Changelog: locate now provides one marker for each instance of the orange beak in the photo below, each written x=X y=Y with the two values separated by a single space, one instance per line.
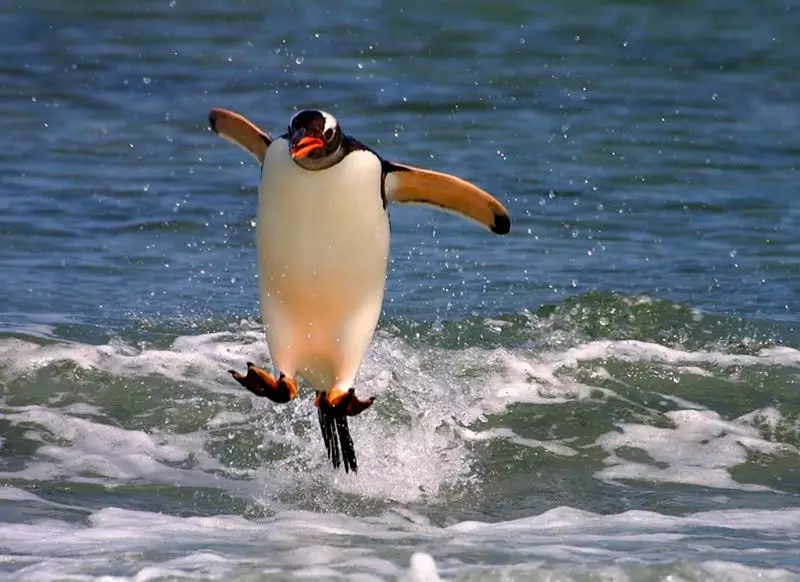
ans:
x=305 y=146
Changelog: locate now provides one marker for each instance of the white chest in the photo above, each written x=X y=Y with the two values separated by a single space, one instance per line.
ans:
x=322 y=228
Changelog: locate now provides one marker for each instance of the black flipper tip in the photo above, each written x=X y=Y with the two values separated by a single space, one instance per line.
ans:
x=502 y=224
x=212 y=120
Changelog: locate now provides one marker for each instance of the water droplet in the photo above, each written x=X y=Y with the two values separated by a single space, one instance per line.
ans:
x=360 y=65
x=147 y=80
x=299 y=60
x=172 y=3
x=733 y=253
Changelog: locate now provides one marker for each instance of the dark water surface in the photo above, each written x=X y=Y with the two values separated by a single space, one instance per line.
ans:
x=608 y=393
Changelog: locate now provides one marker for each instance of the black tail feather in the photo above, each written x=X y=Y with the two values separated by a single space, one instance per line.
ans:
x=336 y=432
x=326 y=425
x=348 y=451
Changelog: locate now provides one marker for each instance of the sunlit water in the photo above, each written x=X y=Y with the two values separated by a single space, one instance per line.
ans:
x=608 y=393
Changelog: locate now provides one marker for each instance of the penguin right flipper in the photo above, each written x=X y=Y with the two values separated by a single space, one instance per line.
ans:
x=239 y=130
x=409 y=185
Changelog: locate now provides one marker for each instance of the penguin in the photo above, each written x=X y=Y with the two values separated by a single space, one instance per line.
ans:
x=322 y=239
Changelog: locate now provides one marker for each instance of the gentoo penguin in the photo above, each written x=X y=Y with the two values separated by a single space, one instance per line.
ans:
x=323 y=250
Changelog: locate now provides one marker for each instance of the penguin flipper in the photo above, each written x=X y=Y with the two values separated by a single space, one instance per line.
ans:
x=409 y=185
x=239 y=130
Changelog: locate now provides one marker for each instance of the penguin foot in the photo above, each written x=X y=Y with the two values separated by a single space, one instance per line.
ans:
x=262 y=383
x=341 y=403
x=332 y=412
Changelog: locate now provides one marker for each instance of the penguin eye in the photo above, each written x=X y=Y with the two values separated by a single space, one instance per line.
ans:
x=328 y=135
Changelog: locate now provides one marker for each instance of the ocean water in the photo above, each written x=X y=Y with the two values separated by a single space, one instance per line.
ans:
x=608 y=393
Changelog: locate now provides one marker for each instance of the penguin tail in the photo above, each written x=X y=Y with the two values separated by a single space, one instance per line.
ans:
x=333 y=408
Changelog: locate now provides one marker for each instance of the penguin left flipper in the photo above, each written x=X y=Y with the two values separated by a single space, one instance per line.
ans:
x=262 y=383
x=409 y=185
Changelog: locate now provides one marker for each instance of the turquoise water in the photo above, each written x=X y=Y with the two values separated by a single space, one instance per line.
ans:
x=610 y=392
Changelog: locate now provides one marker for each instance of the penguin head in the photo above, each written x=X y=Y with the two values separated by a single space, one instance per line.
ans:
x=315 y=139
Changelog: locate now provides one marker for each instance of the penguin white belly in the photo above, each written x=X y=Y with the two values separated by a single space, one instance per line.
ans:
x=323 y=246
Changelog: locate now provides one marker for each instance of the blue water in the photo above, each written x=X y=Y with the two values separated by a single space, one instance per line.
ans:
x=608 y=392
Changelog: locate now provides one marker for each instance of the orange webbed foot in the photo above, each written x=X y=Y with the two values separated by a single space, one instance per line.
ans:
x=341 y=403
x=262 y=383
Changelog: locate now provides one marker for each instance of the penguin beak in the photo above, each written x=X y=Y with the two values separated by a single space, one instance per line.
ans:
x=305 y=146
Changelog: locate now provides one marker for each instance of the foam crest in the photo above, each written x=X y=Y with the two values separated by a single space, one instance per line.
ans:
x=641 y=352
x=552 y=447
x=201 y=360
x=568 y=520
x=82 y=450
x=700 y=449
x=494 y=378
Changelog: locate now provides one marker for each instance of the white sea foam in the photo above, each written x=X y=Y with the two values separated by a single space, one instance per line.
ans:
x=415 y=440
x=421 y=569
x=86 y=451
x=201 y=360
x=699 y=449
x=558 y=544
x=553 y=447
x=507 y=376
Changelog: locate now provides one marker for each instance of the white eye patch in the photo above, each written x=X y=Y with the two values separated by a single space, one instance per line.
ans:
x=330 y=121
